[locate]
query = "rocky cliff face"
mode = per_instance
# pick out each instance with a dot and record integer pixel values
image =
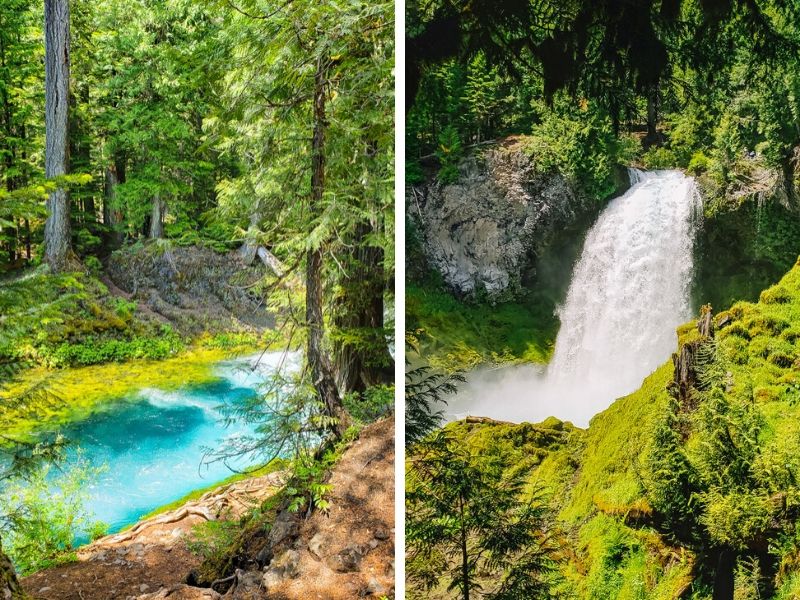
(484, 232)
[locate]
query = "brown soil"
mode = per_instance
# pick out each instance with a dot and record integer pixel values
(361, 513)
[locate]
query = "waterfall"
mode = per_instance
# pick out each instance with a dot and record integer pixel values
(629, 290)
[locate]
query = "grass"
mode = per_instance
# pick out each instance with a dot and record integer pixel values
(454, 335)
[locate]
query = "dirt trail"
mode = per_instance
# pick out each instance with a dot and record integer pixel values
(349, 553)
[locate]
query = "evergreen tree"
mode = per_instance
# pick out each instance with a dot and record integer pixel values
(475, 523)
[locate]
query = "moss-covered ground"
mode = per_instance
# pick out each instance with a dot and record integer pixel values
(454, 335)
(73, 394)
(593, 477)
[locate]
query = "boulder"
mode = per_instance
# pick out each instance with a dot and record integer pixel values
(284, 528)
(315, 545)
(348, 559)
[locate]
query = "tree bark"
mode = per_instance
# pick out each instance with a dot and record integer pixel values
(112, 217)
(653, 107)
(10, 588)
(57, 227)
(724, 578)
(157, 218)
(27, 239)
(465, 582)
(80, 154)
(360, 309)
(8, 127)
(319, 363)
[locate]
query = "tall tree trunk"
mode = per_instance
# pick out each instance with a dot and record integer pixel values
(8, 129)
(724, 577)
(652, 115)
(27, 239)
(56, 229)
(362, 357)
(10, 588)
(80, 154)
(465, 582)
(112, 217)
(157, 218)
(319, 363)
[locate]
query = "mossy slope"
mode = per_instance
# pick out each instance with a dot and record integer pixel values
(593, 476)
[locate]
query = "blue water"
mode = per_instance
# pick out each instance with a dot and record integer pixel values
(153, 442)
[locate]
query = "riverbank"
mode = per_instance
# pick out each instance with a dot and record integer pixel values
(154, 553)
(345, 552)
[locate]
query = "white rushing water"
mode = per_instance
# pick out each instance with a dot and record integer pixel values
(629, 290)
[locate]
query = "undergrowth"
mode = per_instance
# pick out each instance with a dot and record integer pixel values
(72, 320)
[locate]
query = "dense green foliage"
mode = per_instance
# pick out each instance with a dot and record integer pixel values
(176, 132)
(587, 86)
(425, 397)
(72, 320)
(463, 107)
(43, 526)
(262, 131)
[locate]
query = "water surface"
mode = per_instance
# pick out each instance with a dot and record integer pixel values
(153, 441)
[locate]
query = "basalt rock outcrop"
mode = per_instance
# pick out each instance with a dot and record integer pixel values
(194, 289)
(484, 232)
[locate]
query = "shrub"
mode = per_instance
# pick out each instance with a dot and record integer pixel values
(449, 153)
(699, 163)
(660, 158)
(374, 403)
(578, 142)
(96, 351)
(44, 516)
(93, 265)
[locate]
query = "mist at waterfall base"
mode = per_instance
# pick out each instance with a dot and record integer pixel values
(629, 291)
(152, 442)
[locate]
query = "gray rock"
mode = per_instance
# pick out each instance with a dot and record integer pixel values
(286, 566)
(264, 555)
(248, 586)
(484, 231)
(374, 587)
(348, 559)
(285, 527)
(315, 545)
